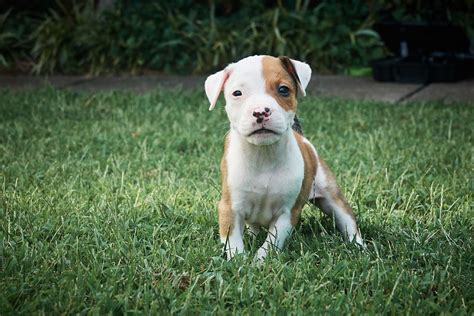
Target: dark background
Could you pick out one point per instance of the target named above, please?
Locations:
(125, 36)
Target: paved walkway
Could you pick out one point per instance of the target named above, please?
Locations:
(361, 88)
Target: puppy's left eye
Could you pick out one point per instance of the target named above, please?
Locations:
(237, 93)
(284, 90)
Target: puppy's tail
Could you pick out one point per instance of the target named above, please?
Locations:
(297, 126)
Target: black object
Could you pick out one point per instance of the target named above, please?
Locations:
(423, 53)
(297, 126)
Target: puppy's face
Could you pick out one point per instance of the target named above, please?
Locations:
(260, 93)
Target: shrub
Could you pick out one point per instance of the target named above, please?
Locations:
(14, 40)
(191, 36)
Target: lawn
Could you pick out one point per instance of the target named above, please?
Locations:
(108, 205)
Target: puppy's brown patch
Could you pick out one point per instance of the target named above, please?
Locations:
(275, 74)
(310, 169)
(226, 216)
(291, 70)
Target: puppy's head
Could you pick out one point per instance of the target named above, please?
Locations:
(260, 94)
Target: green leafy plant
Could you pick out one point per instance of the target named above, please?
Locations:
(187, 36)
(60, 43)
(7, 39)
(14, 41)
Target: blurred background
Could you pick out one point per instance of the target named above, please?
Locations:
(183, 36)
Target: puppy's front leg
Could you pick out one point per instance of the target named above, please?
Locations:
(278, 232)
(231, 228)
(253, 229)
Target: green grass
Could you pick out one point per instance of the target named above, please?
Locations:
(108, 204)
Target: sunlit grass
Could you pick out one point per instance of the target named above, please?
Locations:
(108, 204)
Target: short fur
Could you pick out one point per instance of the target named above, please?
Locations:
(269, 171)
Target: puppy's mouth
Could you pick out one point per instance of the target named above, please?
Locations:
(263, 131)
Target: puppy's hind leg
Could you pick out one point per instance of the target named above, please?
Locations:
(328, 197)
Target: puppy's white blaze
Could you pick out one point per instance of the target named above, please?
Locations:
(246, 76)
(304, 73)
(214, 85)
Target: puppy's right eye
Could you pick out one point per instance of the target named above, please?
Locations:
(237, 93)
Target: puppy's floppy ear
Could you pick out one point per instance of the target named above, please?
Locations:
(304, 73)
(299, 71)
(214, 85)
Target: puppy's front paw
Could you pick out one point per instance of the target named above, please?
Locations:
(232, 252)
(253, 230)
(260, 255)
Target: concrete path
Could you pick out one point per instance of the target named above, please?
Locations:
(360, 88)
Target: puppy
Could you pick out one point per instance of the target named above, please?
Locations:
(269, 170)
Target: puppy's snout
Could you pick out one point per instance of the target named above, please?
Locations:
(261, 114)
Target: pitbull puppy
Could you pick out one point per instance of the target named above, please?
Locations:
(269, 170)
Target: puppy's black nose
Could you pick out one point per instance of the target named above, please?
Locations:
(262, 113)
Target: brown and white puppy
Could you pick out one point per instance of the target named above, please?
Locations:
(269, 171)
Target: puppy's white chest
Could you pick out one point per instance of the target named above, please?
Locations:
(264, 185)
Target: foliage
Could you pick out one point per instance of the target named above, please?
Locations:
(14, 39)
(157, 35)
(57, 40)
(189, 36)
(108, 206)
(7, 39)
